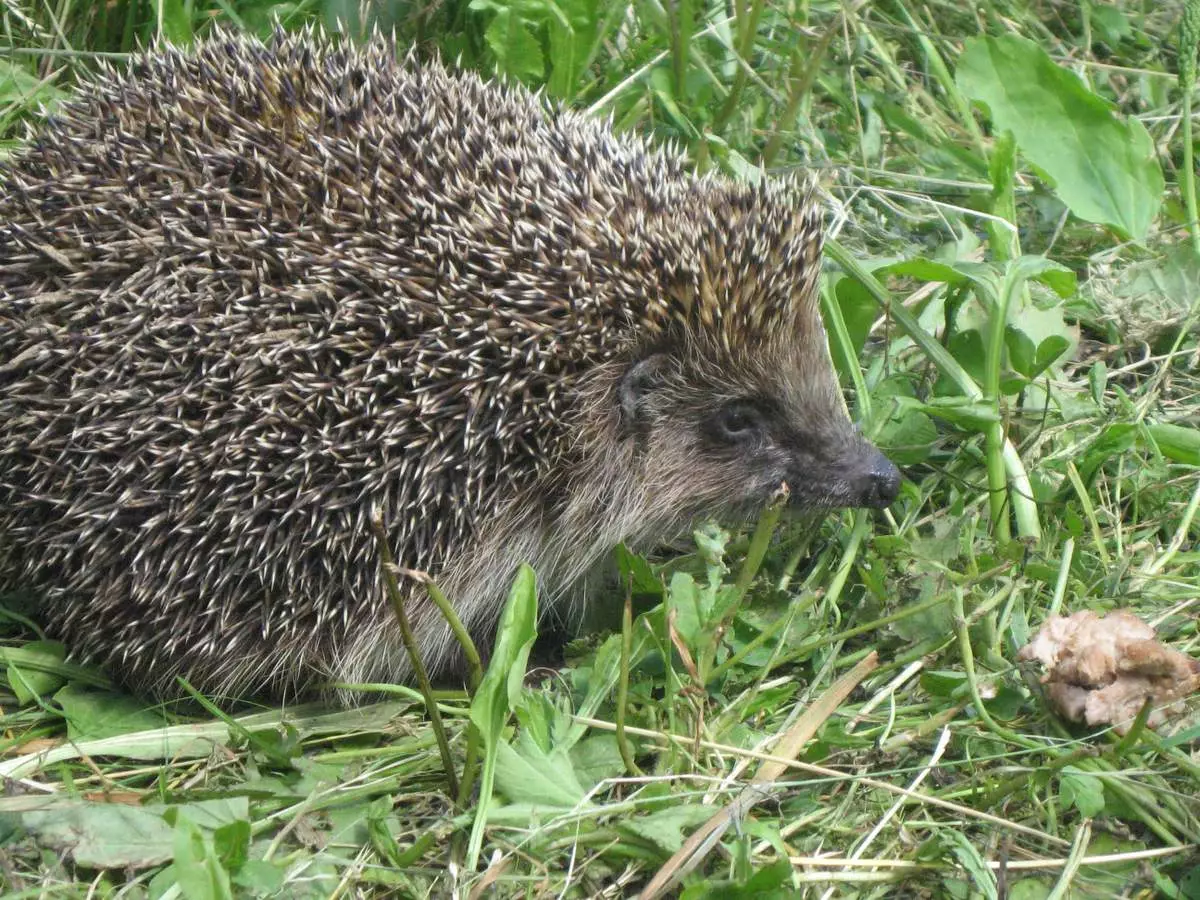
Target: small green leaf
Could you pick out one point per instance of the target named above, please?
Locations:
(969, 857)
(176, 23)
(501, 685)
(379, 831)
(19, 88)
(499, 691)
(1048, 352)
(636, 573)
(907, 437)
(967, 348)
(1022, 353)
(684, 599)
(1098, 381)
(232, 844)
(1082, 791)
(259, 878)
(198, 871)
(943, 684)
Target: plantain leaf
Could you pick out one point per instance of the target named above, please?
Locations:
(1103, 167)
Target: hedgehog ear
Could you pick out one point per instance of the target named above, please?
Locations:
(639, 380)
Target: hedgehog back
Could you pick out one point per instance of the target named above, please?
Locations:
(249, 293)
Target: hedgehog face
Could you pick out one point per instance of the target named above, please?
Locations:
(728, 436)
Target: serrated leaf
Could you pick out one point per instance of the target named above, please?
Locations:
(518, 53)
(636, 573)
(1103, 168)
(595, 758)
(665, 828)
(527, 774)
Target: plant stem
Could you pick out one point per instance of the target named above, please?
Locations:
(388, 569)
(1021, 491)
(631, 767)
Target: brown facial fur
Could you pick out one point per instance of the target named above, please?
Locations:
(250, 294)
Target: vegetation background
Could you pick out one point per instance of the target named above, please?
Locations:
(1012, 295)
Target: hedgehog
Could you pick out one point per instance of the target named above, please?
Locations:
(255, 293)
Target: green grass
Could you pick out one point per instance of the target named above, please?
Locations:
(1012, 297)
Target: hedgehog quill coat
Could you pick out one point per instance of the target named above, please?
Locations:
(250, 293)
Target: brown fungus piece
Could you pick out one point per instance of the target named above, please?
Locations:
(1101, 669)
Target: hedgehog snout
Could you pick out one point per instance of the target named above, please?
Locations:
(874, 479)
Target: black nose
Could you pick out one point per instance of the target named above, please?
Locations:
(880, 480)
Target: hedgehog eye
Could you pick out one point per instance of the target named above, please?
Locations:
(739, 422)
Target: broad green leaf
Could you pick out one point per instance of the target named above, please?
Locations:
(92, 715)
(1178, 443)
(103, 835)
(501, 684)
(1103, 167)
